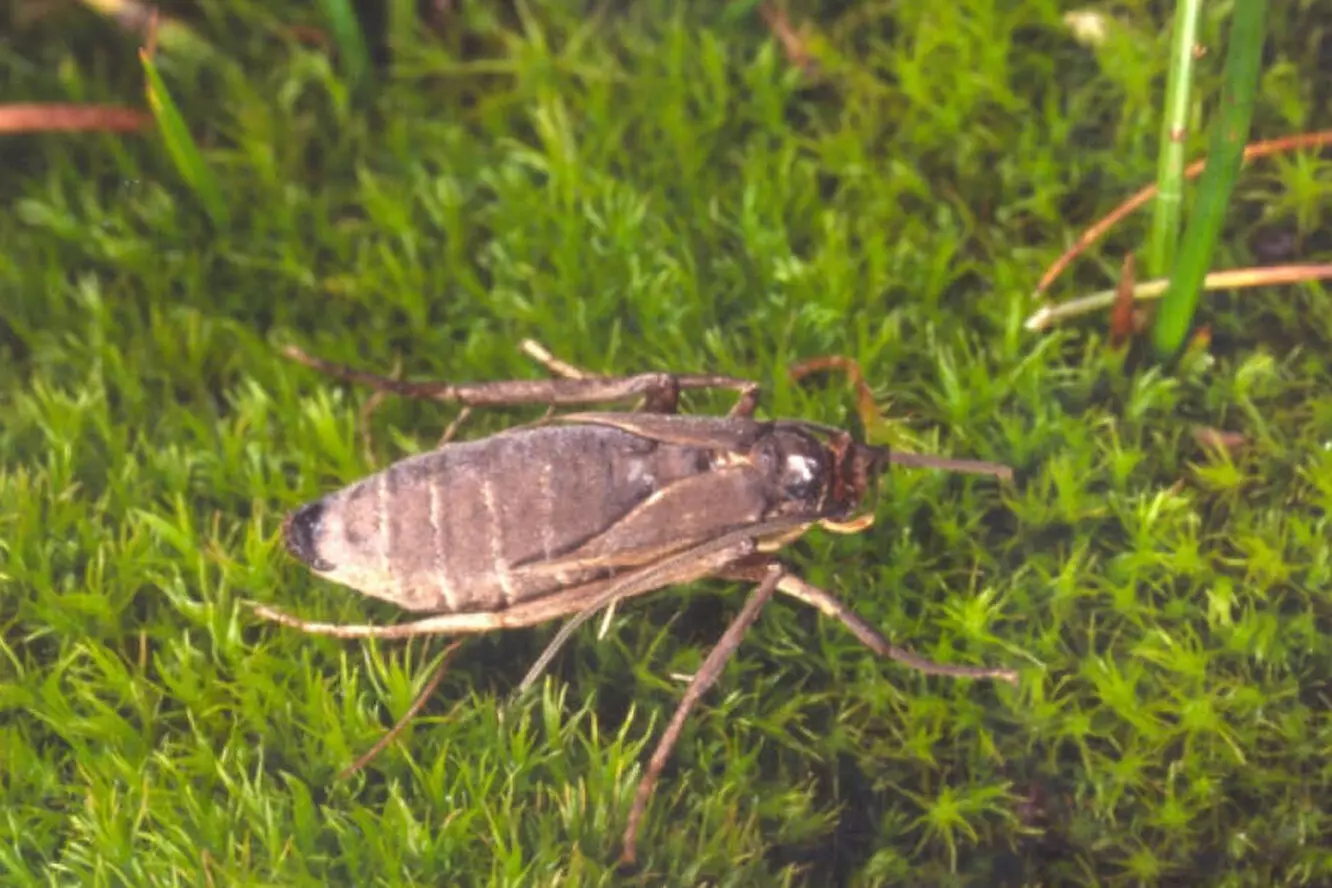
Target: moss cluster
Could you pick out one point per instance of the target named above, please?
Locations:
(656, 186)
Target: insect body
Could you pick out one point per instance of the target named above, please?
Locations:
(484, 526)
(569, 517)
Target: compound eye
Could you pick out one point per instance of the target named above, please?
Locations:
(801, 476)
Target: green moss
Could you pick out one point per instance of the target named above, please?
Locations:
(653, 188)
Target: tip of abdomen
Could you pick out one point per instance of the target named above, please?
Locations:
(301, 532)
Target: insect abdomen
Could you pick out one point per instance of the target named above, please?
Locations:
(442, 531)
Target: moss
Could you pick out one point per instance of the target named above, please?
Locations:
(654, 187)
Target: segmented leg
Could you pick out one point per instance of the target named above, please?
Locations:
(660, 391)
(830, 606)
(870, 417)
(406, 716)
(704, 678)
(539, 353)
(701, 561)
(666, 401)
(363, 419)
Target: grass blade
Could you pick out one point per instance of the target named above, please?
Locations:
(404, 24)
(181, 146)
(1174, 127)
(353, 56)
(1230, 130)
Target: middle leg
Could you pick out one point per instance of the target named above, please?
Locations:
(704, 678)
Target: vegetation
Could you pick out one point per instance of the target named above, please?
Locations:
(656, 186)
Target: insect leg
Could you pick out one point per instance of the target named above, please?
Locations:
(692, 564)
(701, 561)
(539, 353)
(566, 601)
(703, 679)
(407, 716)
(658, 389)
(865, 406)
(747, 403)
(444, 624)
(363, 420)
(664, 400)
(828, 605)
(452, 428)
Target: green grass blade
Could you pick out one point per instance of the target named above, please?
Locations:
(1174, 126)
(181, 146)
(1225, 155)
(739, 9)
(353, 56)
(403, 26)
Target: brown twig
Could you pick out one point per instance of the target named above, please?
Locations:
(1238, 278)
(1097, 231)
(36, 118)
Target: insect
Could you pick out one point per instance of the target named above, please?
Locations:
(570, 515)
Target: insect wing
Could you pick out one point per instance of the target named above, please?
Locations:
(711, 432)
(675, 518)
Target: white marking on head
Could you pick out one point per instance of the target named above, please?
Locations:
(799, 465)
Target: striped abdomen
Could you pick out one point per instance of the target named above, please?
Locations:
(443, 531)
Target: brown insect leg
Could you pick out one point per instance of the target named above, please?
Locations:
(452, 428)
(406, 716)
(865, 406)
(528, 613)
(445, 624)
(859, 524)
(656, 388)
(747, 403)
(703, 679)
(829, 606)
(539, 353)
(665, 400)
(692, 564)
(363, 419)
